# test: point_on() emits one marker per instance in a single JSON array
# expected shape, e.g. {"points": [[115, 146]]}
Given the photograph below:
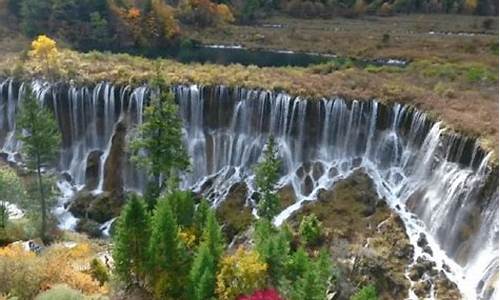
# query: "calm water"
{"points": [[261, 58]]}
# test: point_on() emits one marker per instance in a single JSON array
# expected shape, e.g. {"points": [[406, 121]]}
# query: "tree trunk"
{"points": [[42, 199], [3, 212]]}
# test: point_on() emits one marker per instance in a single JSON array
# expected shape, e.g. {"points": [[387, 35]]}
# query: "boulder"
{"points": [[113, 167], [67, 177], [104, 207], [422, 240], [422, 288], [90, 227], [444, 288], [287, 196], [80, 203], [92, 169], [100, 208]]}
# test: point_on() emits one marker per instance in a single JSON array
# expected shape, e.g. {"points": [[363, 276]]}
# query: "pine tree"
{"points": [[41, 138], [200, 217], [160, 138], [203, 274], [168, 258], [212, 236], [11, 191], [35, 16], [310, 230], [297, 265], [266, 178], [182, 204], [368, 292], [131, 241], [307, 278]]}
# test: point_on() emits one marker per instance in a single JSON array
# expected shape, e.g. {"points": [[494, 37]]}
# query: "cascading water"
{"points": [[439, 182]]}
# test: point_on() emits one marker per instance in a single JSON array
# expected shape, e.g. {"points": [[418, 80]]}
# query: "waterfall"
{"points": [[440, 181]]}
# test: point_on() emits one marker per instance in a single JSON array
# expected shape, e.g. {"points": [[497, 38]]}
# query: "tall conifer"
{"points": [[131, 241]]}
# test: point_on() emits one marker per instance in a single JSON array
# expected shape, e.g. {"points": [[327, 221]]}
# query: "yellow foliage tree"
{"points": [[44, 50], [165, 15], [225, 13], [470, 5], [240, 273]]}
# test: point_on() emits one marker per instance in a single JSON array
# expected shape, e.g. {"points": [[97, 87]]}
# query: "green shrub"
{"points": [[61, 292], [332, 66], [494, 48], [366, 293], [479, 73], [310, 230], [383, 69], [20, 278], [385, 38], [98, 271]]}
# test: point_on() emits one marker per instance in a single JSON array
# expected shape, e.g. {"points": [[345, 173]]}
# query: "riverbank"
{"points": [[449, 37]]}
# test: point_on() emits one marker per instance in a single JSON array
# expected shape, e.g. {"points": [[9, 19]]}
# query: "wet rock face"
{"points": [[113, 167], [92, 169], [376, 248], [445, 288], [90, 227], [99, 208], [94, 209], [385, 258], [287, 196], [233, 212]]}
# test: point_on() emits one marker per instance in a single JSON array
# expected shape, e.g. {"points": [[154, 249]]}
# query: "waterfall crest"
{"points": [[439, 182]]}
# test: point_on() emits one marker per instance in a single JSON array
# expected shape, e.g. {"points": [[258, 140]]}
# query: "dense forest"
{"points": [[154, 24]]}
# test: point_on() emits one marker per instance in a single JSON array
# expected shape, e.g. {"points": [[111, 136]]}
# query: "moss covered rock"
{"points": [[366, 239], [90, 227], [100, 208], [233, 212], [92, 169]]}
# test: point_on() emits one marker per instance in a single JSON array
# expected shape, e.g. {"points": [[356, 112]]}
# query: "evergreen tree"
{"points": [[158, 147], [203, 274], [307, 278], [182, 203], [266, 178], [11, 191], [310, 230], [168, 258], [297, 264], [35, 15], [99, 37], [212, 236], [131, 241], [308, 286], [41, 138], [200, 217], [368, 292], [273, 247]]}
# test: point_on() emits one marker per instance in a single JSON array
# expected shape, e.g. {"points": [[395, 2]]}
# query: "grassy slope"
{"points": [[453, 77]]}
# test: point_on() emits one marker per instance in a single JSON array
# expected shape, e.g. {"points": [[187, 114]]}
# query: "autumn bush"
{"points": [[204, 13], [21, 275], [267, 294], [98, 271], [24, 274], [240, 274]]}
